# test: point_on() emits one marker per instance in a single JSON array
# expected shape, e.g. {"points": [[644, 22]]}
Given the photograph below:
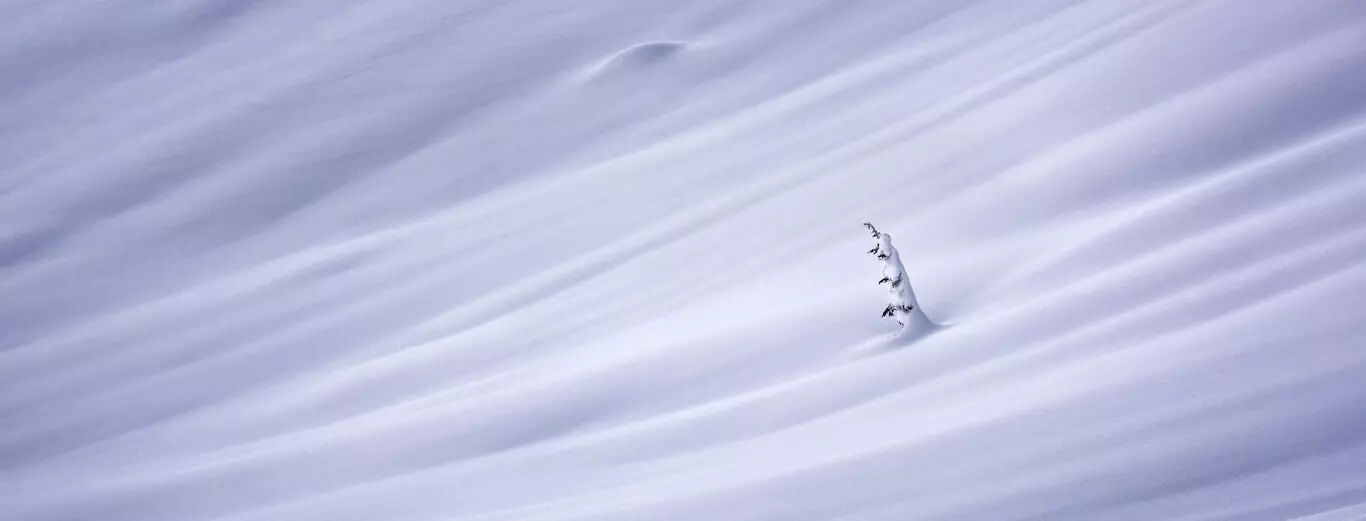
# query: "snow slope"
{"points": [[602, 260]]}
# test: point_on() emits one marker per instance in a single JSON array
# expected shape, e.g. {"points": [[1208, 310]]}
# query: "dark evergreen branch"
{"points": [[876, 234]]}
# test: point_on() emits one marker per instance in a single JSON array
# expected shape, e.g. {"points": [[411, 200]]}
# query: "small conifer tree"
{"points": [[901, 304]]}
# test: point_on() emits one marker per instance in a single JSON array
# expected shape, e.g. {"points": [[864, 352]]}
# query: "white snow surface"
{"points": [[603, 260]]}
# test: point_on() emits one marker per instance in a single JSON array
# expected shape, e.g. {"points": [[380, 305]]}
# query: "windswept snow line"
{"points": [[1173, 310], [587, 267], [1340, 202], [1071, 488], [1333, 282], [998, 86], [618, 437], [1351, 513], [363, 370], [1275, 506], [401, 422], [244, 85], [1326, 254], [976, 97], [1239, 89], [17, 362], [1276, 164], [697, 484]]}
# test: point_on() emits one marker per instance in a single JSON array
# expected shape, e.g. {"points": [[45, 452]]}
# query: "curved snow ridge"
{"points": [[389, 264], [637, 58]]}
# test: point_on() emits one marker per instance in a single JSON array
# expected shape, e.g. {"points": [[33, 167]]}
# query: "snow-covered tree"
{"points": [[901, 304]]}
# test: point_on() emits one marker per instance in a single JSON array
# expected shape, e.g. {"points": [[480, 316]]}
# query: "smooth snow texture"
{"points": [[602, 260]]}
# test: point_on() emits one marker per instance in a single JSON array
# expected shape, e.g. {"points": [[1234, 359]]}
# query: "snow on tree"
{"points": [[901, 304]]}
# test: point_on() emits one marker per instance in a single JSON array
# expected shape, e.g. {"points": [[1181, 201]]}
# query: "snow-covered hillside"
{"points": [[603, 260]]}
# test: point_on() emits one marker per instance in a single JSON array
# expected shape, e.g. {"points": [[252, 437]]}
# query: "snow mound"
{"points": [[638, 59]]}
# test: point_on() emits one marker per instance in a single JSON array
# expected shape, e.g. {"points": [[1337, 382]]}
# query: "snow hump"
{"points": [[639, 58]]}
